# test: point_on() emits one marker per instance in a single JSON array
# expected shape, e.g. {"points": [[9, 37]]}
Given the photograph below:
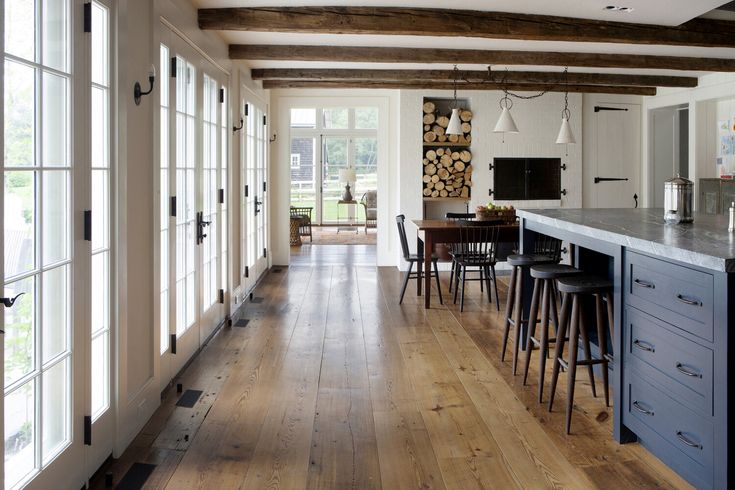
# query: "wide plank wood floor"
{"points": [[334, 385]]}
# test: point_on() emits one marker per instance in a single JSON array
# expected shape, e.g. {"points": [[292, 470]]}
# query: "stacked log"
{"points": [[435, 126], [447, 173]]}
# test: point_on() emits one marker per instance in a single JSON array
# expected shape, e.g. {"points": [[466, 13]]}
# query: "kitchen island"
{"points": [[670, 366]]}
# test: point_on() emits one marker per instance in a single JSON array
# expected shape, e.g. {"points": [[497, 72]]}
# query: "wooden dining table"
{"points": [[429, 232]]}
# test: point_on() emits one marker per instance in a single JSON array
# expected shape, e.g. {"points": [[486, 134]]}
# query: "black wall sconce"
{"points": [[235, 129], [138, 91]]}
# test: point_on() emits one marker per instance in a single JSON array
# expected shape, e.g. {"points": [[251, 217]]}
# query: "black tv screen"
{"points": [[527, 179]]}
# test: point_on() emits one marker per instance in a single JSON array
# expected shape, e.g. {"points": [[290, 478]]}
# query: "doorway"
{"points": [[669, 148]]}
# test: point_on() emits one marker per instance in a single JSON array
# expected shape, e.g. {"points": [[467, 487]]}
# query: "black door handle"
{"points": [[609, 179], [9, 302], [257, 205]]}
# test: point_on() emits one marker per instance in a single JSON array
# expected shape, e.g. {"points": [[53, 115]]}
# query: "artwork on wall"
{"points": [[727, 145], [724, 125]]}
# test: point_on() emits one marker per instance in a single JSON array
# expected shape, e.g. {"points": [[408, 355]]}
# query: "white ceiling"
{"points": [[661, 12], [646, 11]]}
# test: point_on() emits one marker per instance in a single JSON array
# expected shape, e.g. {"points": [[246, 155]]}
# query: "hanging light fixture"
{"points": [[455, 124], [566, 136], [505, 123]]}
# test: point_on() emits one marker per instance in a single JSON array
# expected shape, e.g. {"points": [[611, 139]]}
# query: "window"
{"points": [[295, 161], [164, 200]]}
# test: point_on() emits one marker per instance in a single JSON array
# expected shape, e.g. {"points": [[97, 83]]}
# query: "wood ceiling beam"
{"points": [[463, 23], [423, 85], [360, 54], [473, 76]]}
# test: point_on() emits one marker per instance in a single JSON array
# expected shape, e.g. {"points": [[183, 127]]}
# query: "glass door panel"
{"points": [[366, 165], [334, 158], [303, 171]]}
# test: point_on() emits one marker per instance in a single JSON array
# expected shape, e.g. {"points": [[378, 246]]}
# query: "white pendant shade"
{"points": [[565, 133], [505, 124], [455, 124]]}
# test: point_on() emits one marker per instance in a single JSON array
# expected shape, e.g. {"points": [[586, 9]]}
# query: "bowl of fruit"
{"points": [[495, 212]]}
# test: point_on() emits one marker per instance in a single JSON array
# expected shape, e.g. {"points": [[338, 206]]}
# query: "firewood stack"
{"points": [[435, 126], [447, 173]]}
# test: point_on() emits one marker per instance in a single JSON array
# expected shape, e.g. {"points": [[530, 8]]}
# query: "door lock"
{"points": [[200, 227]]}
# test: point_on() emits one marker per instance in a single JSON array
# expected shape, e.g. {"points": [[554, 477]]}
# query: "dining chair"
{"points": [[454, 247], [415, 259], [478, 244]]}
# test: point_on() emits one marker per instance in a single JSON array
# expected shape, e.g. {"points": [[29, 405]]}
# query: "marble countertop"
{"points": [[704, 243]]}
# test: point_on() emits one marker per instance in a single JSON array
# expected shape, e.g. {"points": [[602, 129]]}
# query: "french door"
{"points": [[255, 205], [193, 214], [55, 187]]}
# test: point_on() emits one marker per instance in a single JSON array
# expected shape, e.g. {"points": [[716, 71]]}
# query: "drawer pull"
{"points": [[687, 372], [644, 284], [642, 410], [687, 441], [643, 346], [686, 301]]}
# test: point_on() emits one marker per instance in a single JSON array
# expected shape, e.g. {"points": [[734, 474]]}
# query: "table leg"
{"points": [[419, 252], [428, 249]]}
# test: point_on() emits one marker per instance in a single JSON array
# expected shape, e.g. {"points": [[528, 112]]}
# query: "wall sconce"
{"points": [[235, 129], [138, 91]]}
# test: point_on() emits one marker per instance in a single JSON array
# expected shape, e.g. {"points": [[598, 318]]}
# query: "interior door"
{"points": [[335, 155], [617, 179], [45, 255]]}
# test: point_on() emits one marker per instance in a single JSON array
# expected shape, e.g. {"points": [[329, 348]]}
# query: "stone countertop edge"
{"points": [[705, 243]]}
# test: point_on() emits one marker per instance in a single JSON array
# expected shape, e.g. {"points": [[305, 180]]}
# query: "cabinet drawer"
{"points": [[679, 366], [678, 295], [689, 437]]}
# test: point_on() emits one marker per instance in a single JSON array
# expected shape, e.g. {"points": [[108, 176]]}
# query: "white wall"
{"points": [[388, 162]]}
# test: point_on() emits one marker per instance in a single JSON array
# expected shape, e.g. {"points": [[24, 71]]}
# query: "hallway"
{"points": [[333, 385]]}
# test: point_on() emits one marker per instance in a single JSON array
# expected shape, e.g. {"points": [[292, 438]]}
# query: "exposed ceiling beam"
{"points": [[463, 23], [474, 76], [422, 85], [362, 54]]}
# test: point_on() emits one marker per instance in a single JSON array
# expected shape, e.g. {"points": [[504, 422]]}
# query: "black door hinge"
{"points": [[221, 96], [87, 430], [173, 206], [88, 17], [265, 252], [173, 67], [601, 108], [222, 296], [247, 109], [221, 196], [247, 271], [247, 190], [265, 186], [173, 343], [88, 225], [264, 124]]}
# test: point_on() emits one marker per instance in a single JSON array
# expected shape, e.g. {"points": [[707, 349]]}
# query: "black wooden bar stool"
{"points": [[573, 288], [544, 286]]}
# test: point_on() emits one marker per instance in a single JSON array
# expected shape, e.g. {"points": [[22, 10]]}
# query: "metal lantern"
{"points": [[678, 200]]}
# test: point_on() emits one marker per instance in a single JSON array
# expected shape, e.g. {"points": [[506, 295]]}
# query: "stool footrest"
{"points": [[591, 362]]}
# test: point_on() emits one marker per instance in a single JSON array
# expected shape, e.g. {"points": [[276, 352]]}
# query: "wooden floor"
{"points": [[334, 385], [321, 255]]}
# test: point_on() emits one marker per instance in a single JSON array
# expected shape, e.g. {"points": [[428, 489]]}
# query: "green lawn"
{"points": [[329, 211]]}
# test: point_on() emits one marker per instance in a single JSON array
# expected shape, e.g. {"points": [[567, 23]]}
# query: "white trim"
{"points": [[193, 45]]}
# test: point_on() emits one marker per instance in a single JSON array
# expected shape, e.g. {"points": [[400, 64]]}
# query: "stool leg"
{"points": [[405, 281], [602, 340], [544, 340], [518, 319], [532, 314], [610, 315], [573, 339], [438, 285], [559, 347], [508, 311], [586, 346]]}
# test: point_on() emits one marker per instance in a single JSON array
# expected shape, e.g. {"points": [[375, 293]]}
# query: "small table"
{"points": [[350, 226]]}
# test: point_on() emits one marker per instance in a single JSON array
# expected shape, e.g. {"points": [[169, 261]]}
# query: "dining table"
{"points": [[429, 232]]}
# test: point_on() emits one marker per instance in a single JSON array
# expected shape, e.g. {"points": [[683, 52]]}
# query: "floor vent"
{"points": [[256, 299], [189, 398], [242, 322], [277, 271], [136, 476]]}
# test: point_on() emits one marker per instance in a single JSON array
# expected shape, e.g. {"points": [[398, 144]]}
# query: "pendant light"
{"points": [[455, 124], [566, 136], [505, 123]]}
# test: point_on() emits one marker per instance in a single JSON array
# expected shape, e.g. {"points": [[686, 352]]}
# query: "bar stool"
{"points": [[574, 288], [545, 276], [514, 303]]}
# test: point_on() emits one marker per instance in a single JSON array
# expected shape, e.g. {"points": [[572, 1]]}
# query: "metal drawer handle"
{"points": [[687, 441], [687, 301], [642, 410], [643, 346], [644, 284], [687, 372]]}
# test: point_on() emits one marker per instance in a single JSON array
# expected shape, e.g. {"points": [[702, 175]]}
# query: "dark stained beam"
{"points": [[474, 56], [463, 23], [473, 76], [421, 85]]}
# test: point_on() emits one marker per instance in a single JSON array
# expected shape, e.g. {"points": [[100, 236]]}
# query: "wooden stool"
{"points": [[545, 276], [573, 288], [514, 303]]}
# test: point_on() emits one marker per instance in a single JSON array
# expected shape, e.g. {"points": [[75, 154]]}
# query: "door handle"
{"points": [[9, 302], [257, 205], [200, 227], [609, 179]]}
